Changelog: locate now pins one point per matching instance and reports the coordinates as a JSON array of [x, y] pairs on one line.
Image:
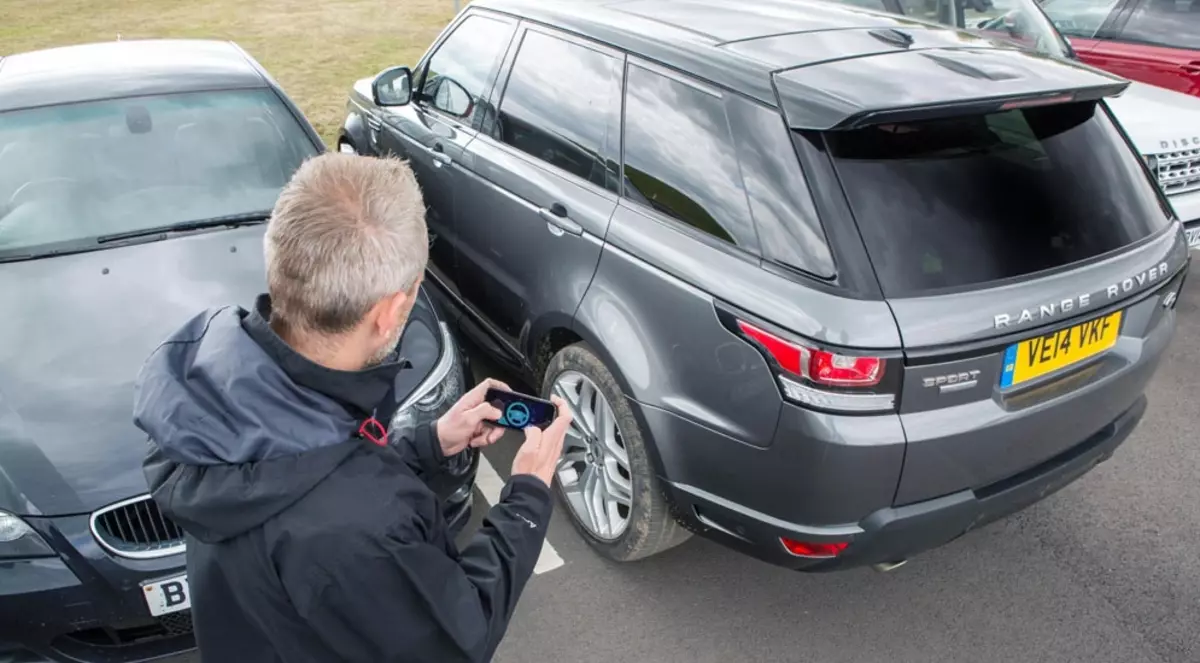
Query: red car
[[1152, 41]]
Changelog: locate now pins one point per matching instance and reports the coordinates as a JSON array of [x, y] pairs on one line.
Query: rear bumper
[[85, 605], [895, 534]]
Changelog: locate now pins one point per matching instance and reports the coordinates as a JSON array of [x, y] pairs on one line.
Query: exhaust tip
[[884, 567]]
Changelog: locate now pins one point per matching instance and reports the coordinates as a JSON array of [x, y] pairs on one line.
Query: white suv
[[1164, 125]]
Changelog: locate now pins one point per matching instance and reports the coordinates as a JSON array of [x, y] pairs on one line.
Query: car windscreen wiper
[[23, 254], [227, 221]]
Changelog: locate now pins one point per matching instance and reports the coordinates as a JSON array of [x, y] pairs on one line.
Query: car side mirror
[[392, 87]]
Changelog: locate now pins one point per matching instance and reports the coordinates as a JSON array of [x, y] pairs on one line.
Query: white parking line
[[490, 484]]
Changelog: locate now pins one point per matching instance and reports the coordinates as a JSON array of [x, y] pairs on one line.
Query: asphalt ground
[[1106, 570]]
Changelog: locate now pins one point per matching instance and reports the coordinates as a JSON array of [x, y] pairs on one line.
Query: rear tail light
[[818, 366], [822, 378], [812, 549]]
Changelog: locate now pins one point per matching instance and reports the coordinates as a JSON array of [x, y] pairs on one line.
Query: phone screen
[[519, 411]]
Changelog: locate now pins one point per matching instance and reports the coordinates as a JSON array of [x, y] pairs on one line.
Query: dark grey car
[[828, 285]]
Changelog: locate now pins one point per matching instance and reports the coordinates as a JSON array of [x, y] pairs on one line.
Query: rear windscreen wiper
[[227, 221]]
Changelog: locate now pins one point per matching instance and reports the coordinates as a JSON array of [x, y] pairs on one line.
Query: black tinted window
[[783, 210], [1174, 23], [558, 106], [974, 199], [680, 159], [460, 73]]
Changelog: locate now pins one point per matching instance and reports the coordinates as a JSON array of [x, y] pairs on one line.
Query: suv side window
[[680, 158], [460, 73], [558, 106], [1170, 23], [785, 215]]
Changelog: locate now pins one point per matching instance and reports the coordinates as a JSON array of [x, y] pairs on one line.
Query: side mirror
[[392, 87]]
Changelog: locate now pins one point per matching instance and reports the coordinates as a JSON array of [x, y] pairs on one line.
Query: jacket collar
[[360, 392]]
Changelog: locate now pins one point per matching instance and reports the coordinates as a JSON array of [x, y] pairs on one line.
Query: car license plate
[[1193, 237], [1035, 357], [167, 595]]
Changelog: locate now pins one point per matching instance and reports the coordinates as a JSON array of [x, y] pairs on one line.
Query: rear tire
[[618, 464]]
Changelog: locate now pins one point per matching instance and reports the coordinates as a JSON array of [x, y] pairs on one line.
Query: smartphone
[[519, 411]]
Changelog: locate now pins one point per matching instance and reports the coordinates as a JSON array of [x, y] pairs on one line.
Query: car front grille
[[1179, 171], [136, 528], [80, 644]]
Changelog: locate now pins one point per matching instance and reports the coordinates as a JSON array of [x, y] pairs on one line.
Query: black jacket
[[304, 542]]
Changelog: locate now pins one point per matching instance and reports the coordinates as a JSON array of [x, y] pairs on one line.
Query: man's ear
[[389, 311]]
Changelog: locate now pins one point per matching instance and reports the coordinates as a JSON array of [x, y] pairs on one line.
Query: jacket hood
[[240, 425]]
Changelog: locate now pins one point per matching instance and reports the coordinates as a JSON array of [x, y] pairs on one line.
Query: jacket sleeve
[[422, 451], [398, 595]]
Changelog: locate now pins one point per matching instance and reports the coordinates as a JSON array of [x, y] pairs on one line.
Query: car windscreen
[[70, 174], [970, 200]]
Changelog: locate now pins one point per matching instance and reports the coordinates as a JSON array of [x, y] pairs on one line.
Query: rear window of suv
[[970, 200]]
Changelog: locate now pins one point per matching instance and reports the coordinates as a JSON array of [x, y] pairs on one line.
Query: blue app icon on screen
[[517, 414]]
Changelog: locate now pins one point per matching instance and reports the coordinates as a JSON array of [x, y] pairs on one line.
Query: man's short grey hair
[[346, 232]]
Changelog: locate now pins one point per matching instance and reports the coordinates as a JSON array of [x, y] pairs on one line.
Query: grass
[[315, 48]]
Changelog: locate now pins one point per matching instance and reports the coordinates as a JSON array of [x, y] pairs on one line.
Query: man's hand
[[540, 453], [465, 424]]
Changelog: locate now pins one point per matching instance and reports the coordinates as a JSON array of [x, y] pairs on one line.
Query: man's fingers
[[483, 411], [494, 435], [533, 437], [563, 420]]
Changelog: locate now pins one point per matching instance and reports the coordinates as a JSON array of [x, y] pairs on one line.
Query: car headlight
[[437, 392], [18, 539]]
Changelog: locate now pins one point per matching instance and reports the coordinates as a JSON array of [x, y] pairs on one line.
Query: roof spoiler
[[976, 107], [933, 83]]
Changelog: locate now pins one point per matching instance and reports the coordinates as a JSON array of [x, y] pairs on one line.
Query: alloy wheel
[[594, 469]]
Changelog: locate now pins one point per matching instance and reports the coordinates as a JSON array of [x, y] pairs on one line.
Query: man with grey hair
[[307, 538]]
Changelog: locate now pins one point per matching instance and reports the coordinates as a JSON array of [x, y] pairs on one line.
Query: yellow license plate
[[1035, 357]]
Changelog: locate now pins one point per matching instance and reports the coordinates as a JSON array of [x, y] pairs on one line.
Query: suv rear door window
[[975, 199], [557, 106], [1171, 23], [459, 76], [680, 158]]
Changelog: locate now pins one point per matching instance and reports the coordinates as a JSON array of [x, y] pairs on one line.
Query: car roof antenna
[[893, 36]]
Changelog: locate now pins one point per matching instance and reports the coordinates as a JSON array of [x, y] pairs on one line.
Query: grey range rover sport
[[828, 285]]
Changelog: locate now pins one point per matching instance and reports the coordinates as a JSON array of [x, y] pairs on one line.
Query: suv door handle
[[440, 158], [557, 220]]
